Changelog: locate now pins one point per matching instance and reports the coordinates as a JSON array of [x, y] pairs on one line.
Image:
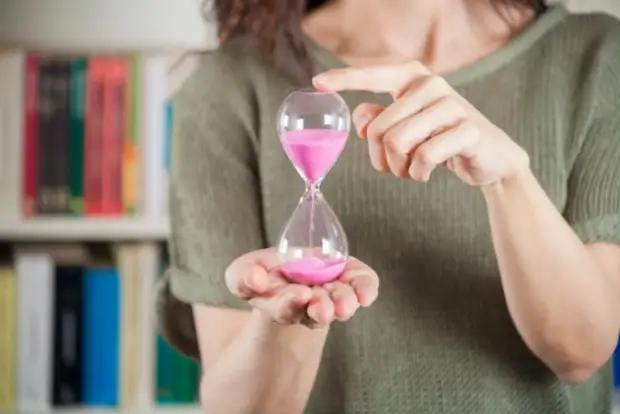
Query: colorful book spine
[[60, 145], [76, 136], [114, 127], [35, 309], [8, 332], [130, 148], [31, 130], [93, 168], [100, 336], [67, 353]]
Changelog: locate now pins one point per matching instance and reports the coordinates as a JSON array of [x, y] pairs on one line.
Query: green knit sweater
[[439, 339]]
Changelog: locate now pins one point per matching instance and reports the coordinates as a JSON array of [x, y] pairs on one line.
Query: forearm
[[267, 368], [564, 307]]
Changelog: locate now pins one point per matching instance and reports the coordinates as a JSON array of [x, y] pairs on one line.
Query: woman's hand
[[429, 124], [255, 278]]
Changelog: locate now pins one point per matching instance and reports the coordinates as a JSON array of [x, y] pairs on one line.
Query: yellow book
[[127, 263], [7, 338]]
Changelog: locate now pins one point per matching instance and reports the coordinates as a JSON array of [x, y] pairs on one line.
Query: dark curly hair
[[275, 23]]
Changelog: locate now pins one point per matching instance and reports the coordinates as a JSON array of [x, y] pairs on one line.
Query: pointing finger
[[380, 79]]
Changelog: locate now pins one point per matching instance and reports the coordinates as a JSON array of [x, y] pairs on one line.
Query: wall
[[610, 6]]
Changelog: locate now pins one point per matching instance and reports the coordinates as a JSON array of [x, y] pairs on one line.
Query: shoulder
[[590, 39], [229, 68]]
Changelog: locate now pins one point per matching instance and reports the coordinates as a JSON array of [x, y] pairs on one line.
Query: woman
[[491, 216]]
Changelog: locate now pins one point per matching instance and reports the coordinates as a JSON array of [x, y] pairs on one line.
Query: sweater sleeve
[[214, 196], [593, 205]]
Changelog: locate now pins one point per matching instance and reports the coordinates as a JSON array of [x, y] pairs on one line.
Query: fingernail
[[311, 313], [320, 80]]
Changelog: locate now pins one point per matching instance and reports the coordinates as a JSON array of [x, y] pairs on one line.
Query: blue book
[[168, 119], [100, 336], [616, 367]]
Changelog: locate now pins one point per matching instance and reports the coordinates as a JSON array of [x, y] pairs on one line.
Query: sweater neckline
[[490, 63]]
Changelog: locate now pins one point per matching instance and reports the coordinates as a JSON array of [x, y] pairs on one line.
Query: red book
[[114, 127], [31, 133], [93, 136]]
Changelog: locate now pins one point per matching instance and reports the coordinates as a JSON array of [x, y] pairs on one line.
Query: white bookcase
[[160, 32]]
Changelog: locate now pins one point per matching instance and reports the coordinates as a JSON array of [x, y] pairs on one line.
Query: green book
[[77, 96]]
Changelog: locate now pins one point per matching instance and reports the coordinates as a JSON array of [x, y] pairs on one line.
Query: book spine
[[60, 145], [184, 379], [7, 339], [35, 297], [30, 174], [45, 122], [76, 136], [131, 168], [169, 119], [113, 136], [100, 333], [67, 380], [130, 325], [164, 372], [93, 170]]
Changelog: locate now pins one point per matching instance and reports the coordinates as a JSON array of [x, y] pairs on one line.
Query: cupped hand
[[428, 124], [255, 278]]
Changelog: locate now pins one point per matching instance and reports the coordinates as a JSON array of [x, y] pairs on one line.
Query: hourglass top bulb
[[313, 127]]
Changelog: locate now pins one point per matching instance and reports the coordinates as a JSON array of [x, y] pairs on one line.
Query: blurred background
[[67, 232]]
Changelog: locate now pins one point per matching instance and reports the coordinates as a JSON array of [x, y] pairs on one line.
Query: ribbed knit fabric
[[440, 338]]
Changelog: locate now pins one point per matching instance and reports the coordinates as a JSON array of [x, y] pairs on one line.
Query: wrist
[[265, 329], [519, 181]]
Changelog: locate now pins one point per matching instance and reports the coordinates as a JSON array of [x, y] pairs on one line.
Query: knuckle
[[438, 82], [427, 83], [392, 143], [452, 105], [417, 67], [470, 129], [373, 131], [424, 154]]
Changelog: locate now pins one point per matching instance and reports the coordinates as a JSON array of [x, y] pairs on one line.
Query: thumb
[[253, 274]]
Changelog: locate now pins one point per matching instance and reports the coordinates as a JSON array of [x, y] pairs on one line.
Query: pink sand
[[314, 151], [313, 270]]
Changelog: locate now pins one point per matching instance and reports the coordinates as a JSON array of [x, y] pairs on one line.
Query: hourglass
[[313, 127]]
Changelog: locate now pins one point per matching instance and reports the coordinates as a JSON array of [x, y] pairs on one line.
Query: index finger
[[378, 79]]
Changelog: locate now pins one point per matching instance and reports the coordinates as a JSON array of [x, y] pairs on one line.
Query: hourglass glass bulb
[[313, 128]]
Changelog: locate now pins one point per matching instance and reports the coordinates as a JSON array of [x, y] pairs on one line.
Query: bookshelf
[[150, 42], [194, 409], [89, 229]]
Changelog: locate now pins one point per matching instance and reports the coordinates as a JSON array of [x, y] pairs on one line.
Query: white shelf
[[110, 26], [173, 409], [84, 229]]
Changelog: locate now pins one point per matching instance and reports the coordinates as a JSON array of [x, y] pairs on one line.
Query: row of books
[[77, 328], [85, 120]]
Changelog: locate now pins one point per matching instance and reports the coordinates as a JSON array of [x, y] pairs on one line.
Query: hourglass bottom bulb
[[313, 270]]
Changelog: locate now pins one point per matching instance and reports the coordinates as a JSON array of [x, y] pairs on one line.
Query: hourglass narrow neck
[[313, 188]]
